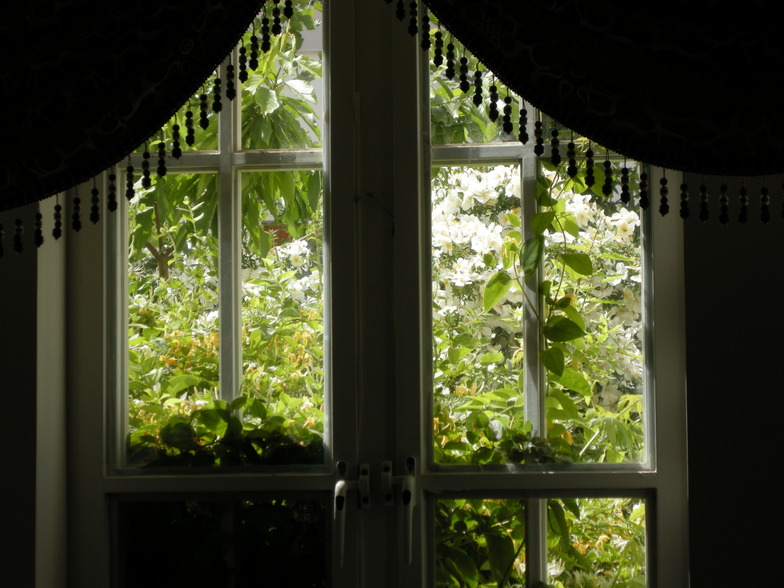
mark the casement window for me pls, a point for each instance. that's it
(379, 342)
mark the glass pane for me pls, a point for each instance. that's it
(244, 543)
(282, 315)
(477, 314)
(592, 317)
(173, 340)
(596, 542)
(461, 111)
(480, 542)
(197, 127)
(282, 100)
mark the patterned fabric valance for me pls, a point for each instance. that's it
(85, 83)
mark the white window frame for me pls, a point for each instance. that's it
(381, 199)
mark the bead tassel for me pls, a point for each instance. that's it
(111, 193)
(704, 213)
(724, 214)
(644, 201)
(664, 206)
(764, 205)
(95, 211)
(684, 210)
(38, 236)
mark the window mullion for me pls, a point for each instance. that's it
(533, 384)
(229, 269)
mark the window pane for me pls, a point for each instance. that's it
(593, 318)
(480, 542)
(282, 314)
(240, 543)
(282, 100)
(591, 542)
(477, 314)
(596, 542)
(467, 115)
(173, 363)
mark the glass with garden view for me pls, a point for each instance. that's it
(537, 356)
(181, 310)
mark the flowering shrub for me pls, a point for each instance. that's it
(590, 319)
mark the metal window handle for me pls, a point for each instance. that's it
(407, 485)
(339, 515)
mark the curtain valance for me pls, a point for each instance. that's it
(85, 83)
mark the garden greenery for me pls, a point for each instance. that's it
(583, 247)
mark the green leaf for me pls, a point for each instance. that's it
(179, 383)
(541, 221)
(579, 262)
(496, 289)
(267, 100)
(531, 256)
(574, 380)
(488, 358)
(560, 328)
(501, 553)
(553, 360)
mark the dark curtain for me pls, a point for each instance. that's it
(688, 87)
(84, 83)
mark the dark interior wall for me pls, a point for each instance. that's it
(734, 323)
(18, 397)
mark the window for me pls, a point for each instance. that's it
(349, 472)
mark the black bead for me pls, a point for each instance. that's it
(76, 221)
(176, 150)
(38, 237)
(266, 37)
(644, 201)
(704, 214)
(743, 214)
(571, 167)
(190, 133)
(464, 84)
(607, 186)
(95, 214)
(129, 192)
(111, 193)
(231, 91)
(478, 98)
(438, 52)
(57, 231)
(400, 11)
(664, 206)
(684, 211)
(412, 24)
(288, 9)
(253, 58)
(590, 180)
(450, 61)
(539, 147)
(18, 232)
(161, 171)
(507, 118)
(204, 120)
(523, 126)
(425, 44)
(626, 195)
(217, 105)
(764, 205)
(724, 214)
(555, 154)
(276, 26)
(146, 181)
(243, 65)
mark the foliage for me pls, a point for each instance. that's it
(581, 250)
